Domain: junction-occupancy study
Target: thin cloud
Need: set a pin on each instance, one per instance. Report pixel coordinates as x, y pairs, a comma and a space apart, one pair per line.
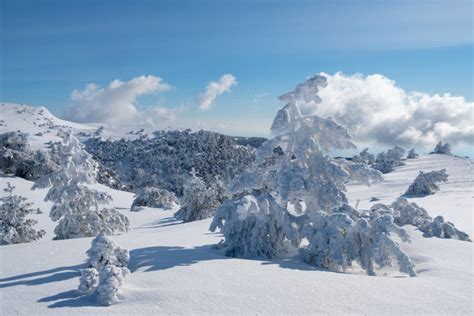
214, 89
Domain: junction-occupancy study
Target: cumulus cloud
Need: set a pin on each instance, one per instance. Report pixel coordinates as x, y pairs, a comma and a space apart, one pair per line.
114, 103
215, 88
376, 111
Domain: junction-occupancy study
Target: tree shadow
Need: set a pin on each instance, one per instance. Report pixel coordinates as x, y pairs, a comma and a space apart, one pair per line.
167, 257
164, 222
72, 298
43, 277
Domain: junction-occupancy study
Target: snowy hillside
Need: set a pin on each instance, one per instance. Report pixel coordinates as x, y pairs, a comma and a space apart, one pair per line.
176, 270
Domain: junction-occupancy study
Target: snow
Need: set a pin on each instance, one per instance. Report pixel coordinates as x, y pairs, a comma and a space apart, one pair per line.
176, 270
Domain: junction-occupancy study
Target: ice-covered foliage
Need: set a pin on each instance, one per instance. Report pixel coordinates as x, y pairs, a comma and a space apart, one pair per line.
412, 154
254, 226
199, 200
76, 205
406, 213
364, 157
17, 158
154, 197
426, 183
106, 271
15, 227
442, 149
292, 169
165, 160
387, 161
338, 240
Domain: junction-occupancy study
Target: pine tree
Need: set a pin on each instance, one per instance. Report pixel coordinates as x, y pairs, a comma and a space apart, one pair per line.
426, 183
199, 200
107, 269
295, 191
76, 205
15, 227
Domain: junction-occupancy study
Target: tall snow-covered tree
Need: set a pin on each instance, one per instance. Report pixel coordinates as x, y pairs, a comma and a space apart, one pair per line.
15, 227
76, 205
296, 191
199, 200
426, 183
107, 269
442, 149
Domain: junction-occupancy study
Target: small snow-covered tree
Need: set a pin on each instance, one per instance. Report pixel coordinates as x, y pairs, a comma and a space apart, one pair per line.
107, 269
154, 197
412, 154
15, 227
406, 213
387, 161
292, 170
337, 240
364, 157
199, 200
76, 205
442, 149
254, 226
426, 183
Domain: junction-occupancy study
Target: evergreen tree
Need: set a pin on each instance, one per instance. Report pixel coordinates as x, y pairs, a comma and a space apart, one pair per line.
76, 205
15, 227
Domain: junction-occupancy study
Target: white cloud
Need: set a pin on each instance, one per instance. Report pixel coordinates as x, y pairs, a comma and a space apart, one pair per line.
376, 111
214, 89
116, 102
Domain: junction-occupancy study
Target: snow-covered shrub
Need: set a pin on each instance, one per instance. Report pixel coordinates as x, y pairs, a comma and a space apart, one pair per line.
165, 160
387, 161
442, 149
406, 213
336, 241
426, 183
439, 228
107, 269
15, 227
254, 226
20, 160
199, 200
364, 157
154, 197
77, 206
292, 168
412, 154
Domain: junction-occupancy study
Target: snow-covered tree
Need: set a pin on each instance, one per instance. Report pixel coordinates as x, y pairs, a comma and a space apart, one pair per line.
107, 269
76, 205
364, 157
254, 226
15, 227
337, 240
442, 149
199, 200
406, 213
412, 154
387, 161
426, 183
154, 197
19, 159
292, 171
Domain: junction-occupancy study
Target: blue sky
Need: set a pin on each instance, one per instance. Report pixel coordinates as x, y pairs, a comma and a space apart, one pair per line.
50, 48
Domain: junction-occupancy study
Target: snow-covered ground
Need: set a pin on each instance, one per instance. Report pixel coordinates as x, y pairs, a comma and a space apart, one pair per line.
176, 270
